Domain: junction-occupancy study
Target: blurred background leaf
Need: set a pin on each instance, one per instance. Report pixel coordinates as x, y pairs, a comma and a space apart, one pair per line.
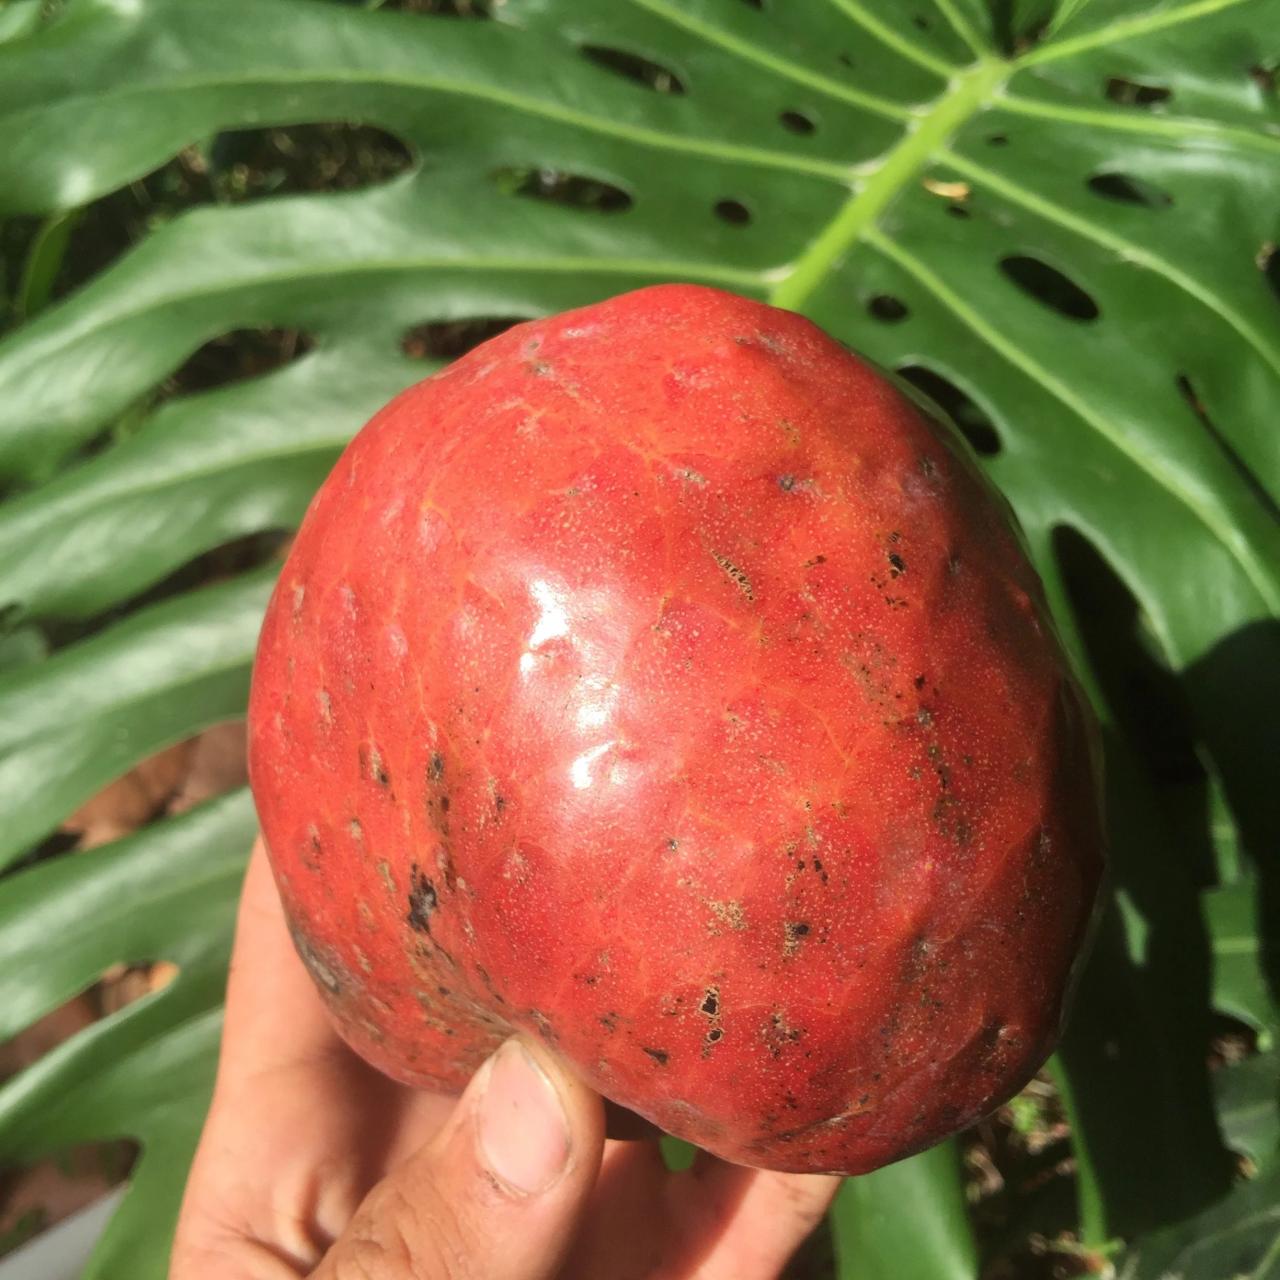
222, 249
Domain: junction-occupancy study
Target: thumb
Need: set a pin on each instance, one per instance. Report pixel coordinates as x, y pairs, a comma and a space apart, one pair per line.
497, 1193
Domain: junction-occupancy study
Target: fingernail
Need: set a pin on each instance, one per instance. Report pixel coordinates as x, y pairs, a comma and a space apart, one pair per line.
523, 1130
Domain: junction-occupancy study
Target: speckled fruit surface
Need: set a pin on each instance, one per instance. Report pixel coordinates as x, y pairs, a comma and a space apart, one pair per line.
656, 680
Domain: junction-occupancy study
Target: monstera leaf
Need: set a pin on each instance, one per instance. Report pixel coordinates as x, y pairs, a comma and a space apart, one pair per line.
1058, 219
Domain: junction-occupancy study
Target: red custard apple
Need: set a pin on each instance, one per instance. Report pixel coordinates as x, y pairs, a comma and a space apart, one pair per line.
657, 680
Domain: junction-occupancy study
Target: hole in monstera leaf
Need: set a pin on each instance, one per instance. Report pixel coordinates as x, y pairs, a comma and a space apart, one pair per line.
36, 1197
235, 166
242, 353
1269, 264
1230, 1040
1049, 286
733, 212
974, 423
884, 306
1015, 29
434, 8
1127, 189
1136, 93
227, 559
123, 984
52, 846
246, 164
797, 122
557, 187
1265, 77
1242, 468
448, 339
222, 361
1144, 695
653, 75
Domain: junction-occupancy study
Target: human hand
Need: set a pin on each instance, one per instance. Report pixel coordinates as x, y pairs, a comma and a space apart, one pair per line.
313, 1163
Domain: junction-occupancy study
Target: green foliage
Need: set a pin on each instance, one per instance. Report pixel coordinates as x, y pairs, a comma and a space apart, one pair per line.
870, 1221
1057, 219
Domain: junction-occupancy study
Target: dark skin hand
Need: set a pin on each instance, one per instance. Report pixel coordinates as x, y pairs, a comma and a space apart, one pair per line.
313, 1164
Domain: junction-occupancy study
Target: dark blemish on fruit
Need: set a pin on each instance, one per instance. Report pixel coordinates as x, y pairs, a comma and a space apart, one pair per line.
672, 843
817, 560
444, 991
793, 933
924, 716
919, 682
435, 767
609, 1021
314, 848
423, 900
897, 564
372, 767
730, 913
786, 483
735, 575
660, 1056
777, 1034
990, 1036
444, 864
323, 972
484, 977
710, 1002
499, 803
953, 564
715, 1035
444, 804
934, 753
591, 979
